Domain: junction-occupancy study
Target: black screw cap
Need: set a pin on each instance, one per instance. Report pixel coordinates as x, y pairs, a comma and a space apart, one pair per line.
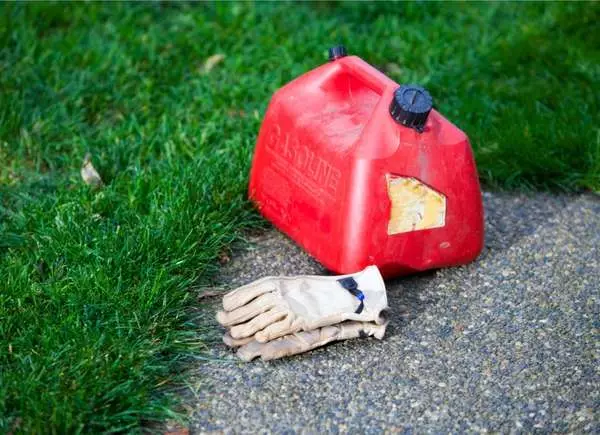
337, 52
410, 106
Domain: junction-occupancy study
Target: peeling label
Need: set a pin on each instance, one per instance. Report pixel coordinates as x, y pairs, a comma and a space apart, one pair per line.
415, 206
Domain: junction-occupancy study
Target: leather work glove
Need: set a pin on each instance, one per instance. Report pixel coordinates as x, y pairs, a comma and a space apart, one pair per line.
304, 341
272, 307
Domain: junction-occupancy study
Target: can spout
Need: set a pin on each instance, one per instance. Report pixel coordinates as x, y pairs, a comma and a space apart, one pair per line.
336, 52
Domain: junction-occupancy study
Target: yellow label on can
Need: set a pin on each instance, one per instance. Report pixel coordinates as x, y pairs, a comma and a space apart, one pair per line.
415, 206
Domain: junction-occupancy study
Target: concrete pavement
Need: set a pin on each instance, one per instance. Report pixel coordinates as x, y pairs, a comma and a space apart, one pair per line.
509, 343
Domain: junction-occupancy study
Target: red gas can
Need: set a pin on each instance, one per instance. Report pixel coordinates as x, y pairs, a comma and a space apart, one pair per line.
359, 170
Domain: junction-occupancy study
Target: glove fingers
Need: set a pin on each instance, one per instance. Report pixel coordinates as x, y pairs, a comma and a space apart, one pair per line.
285, 346
235, 342
250, 350
304, 341
299, 342
278, 329
246, 312
241, 296
307, 340
257, 323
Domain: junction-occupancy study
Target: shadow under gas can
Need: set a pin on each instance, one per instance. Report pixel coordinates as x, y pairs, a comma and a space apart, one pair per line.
359, 170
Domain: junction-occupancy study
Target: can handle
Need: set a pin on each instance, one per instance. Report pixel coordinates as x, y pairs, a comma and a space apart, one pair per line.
368, 74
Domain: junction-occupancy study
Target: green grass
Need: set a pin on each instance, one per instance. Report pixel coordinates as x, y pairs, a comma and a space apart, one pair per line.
95, 317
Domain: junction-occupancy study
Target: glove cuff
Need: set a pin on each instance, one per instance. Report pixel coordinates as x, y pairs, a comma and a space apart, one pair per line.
369, 289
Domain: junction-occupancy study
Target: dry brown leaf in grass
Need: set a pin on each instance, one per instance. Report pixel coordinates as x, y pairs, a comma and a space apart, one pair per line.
211, 294
89, 174
211, 62
224, 257
204, 292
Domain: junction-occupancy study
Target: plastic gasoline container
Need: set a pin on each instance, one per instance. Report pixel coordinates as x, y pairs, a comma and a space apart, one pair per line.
359, 170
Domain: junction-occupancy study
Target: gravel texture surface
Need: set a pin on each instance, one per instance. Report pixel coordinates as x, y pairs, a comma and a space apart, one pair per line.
509, 343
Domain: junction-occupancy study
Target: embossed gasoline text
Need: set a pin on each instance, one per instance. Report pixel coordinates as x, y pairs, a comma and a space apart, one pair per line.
302, 158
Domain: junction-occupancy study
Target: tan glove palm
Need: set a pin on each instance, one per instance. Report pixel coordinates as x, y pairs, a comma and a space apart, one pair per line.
273, 307
301, 342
